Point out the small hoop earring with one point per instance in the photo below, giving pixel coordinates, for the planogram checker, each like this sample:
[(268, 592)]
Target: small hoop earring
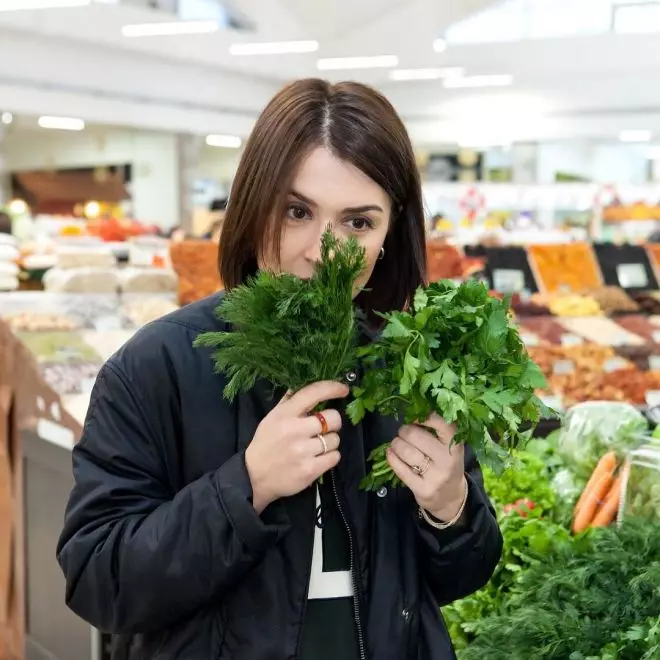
[(382, 253)]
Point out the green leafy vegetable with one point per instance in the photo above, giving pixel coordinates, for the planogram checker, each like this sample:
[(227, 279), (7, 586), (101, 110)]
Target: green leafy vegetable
[(527, 540), (287, 330), (525, 504), (455, 353), (595, 598)]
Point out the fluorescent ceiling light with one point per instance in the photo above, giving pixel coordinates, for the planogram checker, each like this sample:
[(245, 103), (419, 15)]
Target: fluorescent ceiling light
[(426, 74), (227, 141), (497, 80), (7, 118), (274, 48), (20, 5), (62, 123), (635, 136), (166, 29), (439, 45), (371, 62)]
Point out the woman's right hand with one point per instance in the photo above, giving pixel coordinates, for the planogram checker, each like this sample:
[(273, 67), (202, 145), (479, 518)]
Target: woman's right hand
[(286, 454)]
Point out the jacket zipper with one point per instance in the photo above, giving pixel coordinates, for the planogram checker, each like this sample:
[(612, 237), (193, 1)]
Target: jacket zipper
[(356, 591)]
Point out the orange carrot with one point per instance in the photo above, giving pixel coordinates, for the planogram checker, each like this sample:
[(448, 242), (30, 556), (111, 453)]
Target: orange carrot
[(607, 464), (608, 511), (596, 495)]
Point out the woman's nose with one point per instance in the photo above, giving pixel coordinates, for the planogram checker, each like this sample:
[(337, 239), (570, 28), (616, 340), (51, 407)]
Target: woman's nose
[(313, 244)]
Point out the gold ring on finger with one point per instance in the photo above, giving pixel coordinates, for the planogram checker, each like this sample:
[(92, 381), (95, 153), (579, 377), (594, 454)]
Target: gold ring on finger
[(420, 470), (324, 444)]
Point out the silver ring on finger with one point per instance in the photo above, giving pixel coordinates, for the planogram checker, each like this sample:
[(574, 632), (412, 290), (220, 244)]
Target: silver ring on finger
[(324, 444), (420, 470)]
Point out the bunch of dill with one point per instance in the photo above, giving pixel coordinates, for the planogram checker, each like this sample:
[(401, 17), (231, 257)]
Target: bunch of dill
[(291, 331)]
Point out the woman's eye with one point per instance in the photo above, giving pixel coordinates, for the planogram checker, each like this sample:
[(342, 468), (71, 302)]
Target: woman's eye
[(360, 223), (297, 212)]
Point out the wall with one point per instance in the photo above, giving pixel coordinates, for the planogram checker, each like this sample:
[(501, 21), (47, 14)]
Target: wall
[(154, 156)]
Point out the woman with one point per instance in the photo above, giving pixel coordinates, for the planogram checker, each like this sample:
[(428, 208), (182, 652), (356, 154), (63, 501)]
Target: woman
[(191, 531)]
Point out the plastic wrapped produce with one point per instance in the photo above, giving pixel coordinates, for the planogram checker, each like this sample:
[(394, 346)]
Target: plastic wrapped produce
[(641, 487), (81, 280), (591, 429), (148, 280), (85, 257)]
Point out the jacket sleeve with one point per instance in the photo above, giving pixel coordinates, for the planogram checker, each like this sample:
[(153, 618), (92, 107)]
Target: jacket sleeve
[(136, 555), (460, 560)]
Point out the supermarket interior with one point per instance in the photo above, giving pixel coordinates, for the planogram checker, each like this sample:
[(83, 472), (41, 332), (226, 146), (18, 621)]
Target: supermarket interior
[(535, 126)]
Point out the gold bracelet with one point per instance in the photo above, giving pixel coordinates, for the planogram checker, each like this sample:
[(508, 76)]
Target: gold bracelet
[(444, 525)]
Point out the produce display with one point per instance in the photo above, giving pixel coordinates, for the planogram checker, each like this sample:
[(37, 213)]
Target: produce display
[(571, 267), (587, 593), (573, 304), (648, 301), (196, 265), (613, 300)]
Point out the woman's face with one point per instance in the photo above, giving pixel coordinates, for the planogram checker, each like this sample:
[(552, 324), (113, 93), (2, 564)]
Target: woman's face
[(328, 191)]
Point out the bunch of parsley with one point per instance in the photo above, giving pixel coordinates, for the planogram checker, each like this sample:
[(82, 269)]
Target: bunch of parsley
[(287, 330), (455, 353)]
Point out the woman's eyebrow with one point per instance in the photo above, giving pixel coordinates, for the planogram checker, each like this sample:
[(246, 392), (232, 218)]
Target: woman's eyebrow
[(350, 209)]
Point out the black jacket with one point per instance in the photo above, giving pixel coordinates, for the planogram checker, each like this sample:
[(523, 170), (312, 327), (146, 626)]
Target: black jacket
[(162, 547)]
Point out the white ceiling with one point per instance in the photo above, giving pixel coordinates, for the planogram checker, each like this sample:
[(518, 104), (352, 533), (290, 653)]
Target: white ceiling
[(76, 62)]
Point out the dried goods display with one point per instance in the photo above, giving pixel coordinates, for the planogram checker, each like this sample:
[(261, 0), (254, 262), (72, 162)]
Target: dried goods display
[(534, 306), (602, 331), (548, 329), (573, 304), (586, 357), (641, 326), (613, 300), (196, 264), (37, 321), (648, 301), (568, 267)]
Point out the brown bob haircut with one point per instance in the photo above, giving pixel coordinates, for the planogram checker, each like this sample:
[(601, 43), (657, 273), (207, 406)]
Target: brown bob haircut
[(356, 124)]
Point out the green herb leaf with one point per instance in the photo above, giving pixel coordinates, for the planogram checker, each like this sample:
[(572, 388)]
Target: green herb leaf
[(289, 331)]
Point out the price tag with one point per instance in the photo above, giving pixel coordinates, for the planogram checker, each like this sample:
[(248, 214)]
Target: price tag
[(619, 340), (570, 339), (507, 280), (632, 276), (553, 402), (614, 364), (656, 337), (525, 295), (563, 367), (654, 363), (529, 340), (653, 398)]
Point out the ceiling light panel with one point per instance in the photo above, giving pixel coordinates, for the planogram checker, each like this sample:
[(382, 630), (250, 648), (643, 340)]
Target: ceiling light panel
[(167, 29), (274, 48), (368, 62)]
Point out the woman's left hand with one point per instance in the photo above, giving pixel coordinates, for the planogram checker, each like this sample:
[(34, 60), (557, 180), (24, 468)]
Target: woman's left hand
[(432, 469)]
